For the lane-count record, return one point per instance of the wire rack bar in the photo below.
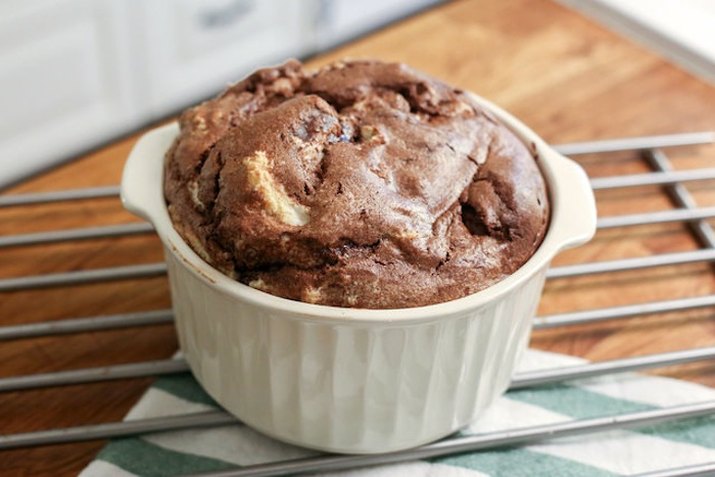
(165, 316)
(159, 268)
(652, 178)
(598, 183)
(626, 311)
(58, 196)
(648, 218)
(115, 429)
(92, 375)
(472, 443)
(700, 470)
(81, 325)
(521, 380)
(39, 238)
(636, 143)
(82, 277)
(664, 177)
(570, 149)
(548, 376)
(681, 197)
(638, 263)
(448, 446)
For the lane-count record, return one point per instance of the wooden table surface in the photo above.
(563, 75)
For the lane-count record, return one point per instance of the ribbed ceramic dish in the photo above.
(355, 380)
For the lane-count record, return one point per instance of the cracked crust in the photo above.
(364, 184)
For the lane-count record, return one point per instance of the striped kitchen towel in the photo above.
(681, 443)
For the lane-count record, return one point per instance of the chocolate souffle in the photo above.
(363, 184)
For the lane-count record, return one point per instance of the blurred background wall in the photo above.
(75, 73)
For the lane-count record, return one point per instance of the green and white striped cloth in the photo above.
(612, 453)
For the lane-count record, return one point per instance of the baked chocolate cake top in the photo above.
(364, 184)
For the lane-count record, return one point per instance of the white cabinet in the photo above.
(193, 48)
(64, 80)
(341, 20)
(74, 73)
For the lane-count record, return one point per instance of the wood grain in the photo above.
(566, 77)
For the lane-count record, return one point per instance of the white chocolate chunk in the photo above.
(278, 203)
(194, 191)
(258, 284)
(312, 295)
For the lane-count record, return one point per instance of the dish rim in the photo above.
(572, 222)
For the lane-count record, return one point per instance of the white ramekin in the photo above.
(355, 380)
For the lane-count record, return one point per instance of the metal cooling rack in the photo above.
(662, 174)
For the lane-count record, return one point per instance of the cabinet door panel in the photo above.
(64, 81)
(342, 20)
(195, 47)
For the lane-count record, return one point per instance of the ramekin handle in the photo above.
(575, 215)
(141, 190)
